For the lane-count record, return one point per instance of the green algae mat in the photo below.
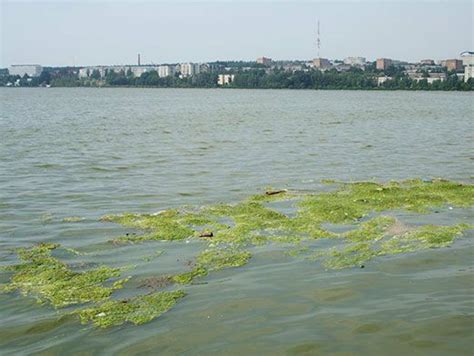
(365, 210)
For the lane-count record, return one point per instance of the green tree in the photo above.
(95, 74)
(45, 77)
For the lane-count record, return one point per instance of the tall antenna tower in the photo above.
(318, 40)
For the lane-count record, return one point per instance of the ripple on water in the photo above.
(72, 160)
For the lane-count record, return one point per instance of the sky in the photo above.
(88, 32)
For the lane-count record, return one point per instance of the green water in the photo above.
(90, 152)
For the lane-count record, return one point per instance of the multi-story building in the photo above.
(432, 77)
(102, 70)
(204, 68)
(31, 70)
(435, 77)
(383, 63)
(215, 67)
(344, 67)
(381, 80)
(166, 71)
(427, 62)
(355, 61)
(321, 63)
(264, 60)
(293, 67)
(84, 72)
(139, 70)
(189, 69)
(468, 62)
(136, 71)
(186, 69)
(452, 64)
(225, 79)
(398, 63)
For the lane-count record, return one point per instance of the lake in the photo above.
(87, 152)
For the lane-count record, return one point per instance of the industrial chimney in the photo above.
(138, 58)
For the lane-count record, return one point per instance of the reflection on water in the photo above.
(88, 152)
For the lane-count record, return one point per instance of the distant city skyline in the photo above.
(85, 33)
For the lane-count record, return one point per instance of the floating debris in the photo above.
(274, 192)
(206, 234)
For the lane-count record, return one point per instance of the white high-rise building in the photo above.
(139, 70)
(166, 71)
(225, 79)
(84, 72)
(32, 70)
(355, 61)
(189, 69)
(468, 63)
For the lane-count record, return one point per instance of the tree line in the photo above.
(257, 77)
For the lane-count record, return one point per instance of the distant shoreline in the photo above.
(378, 89)
(370, 78)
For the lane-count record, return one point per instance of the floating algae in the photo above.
(350, 256)
(231, 230)
(251, 219)
(356, 200)
(166, 225)
(213, 260)
(51, 280)
(372, 230)
(422, 238)
(163, 226)
(73, 219)
(138, 310)
(217, 259)
(429, 236)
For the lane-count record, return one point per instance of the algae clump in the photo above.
(249, 218)
(429, 236)
(371, 230)
(51, 280)
(188, 277)
(137, 310)
(213, 260)
(217, 259)
(356, 200)
(229, 231)
(353, 255)
(162, 226)
(422, 238)
(166, 225)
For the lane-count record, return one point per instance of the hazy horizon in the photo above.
(63, 33)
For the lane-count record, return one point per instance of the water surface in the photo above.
(90, 152)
